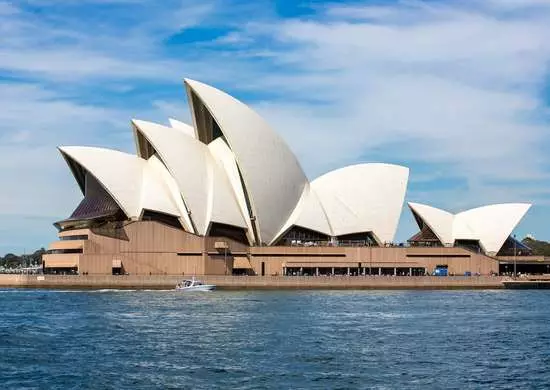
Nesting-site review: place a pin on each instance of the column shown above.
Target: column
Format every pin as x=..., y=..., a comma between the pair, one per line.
x=410, y=271
x=394, y=271
x=317, y=271
x=379, y=271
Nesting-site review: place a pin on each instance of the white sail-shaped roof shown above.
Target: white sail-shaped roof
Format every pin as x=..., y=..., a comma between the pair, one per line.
x=157, y=180
x=363, y=198
x=309, y=214
x=439, y=221
x=225, y=159
x=119, y=173
x=312, y=214
x=131, y=181
x=273, y=179
x=205, y=189
x=184, y=127
x=231, y=168
x=490, y=225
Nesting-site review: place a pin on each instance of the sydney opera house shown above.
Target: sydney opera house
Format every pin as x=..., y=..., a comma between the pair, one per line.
x=226, y=196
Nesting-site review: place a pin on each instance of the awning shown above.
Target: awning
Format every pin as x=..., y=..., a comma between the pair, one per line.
x=291, y=264
x=75, y=232
x=66, y=244
x=241, y=263
x=61, y=263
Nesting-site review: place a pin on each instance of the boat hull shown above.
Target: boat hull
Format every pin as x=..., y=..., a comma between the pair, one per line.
x=204, y=287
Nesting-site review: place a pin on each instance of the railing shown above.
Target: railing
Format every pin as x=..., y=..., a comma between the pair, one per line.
x=344, y=243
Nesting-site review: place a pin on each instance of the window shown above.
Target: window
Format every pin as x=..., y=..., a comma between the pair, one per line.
x=75, y=237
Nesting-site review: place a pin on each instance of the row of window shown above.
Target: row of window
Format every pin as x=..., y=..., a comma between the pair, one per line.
x=73, y=238
x=63, y=251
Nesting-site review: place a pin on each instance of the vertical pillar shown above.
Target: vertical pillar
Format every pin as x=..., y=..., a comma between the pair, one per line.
x=394, y=271
x=332, y=270
x=379, y=271
x=348, y=271
x=410, y=271
x=317, y=271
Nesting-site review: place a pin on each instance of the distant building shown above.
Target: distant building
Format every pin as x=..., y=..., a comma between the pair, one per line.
x=227, y=196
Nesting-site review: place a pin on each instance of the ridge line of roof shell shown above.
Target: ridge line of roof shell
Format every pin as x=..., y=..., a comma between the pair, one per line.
x=264, y=159
x=122, y=175
x=365, y=197
x=184, y=127
x=491, y=224
x=201, y=182
x=438, y=220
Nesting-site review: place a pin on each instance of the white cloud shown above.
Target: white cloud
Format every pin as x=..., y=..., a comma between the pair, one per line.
x=463, y=88
x=518, y=4
x=34, y=122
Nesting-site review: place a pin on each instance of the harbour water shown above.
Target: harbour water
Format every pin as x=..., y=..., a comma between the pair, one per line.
x=275, y=339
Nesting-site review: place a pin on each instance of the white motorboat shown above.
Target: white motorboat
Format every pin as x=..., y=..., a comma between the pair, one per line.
x=194, y=285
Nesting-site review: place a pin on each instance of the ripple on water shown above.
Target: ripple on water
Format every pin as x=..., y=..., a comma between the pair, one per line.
x=273, y=340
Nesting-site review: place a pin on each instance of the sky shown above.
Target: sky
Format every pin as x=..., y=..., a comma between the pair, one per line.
x=458, y=91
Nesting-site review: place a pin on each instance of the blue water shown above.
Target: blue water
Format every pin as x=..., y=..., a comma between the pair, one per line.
x=275, y=340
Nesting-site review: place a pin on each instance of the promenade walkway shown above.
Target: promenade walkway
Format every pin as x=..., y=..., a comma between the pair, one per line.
x=255, y=282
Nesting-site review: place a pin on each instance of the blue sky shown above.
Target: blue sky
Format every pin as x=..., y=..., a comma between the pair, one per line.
x=456, y=90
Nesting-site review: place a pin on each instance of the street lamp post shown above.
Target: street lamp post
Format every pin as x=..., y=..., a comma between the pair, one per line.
x=370, y=258
x=225, y=259
x=515, y=273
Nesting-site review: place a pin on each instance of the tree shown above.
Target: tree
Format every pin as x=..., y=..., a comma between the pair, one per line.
x=540, y=248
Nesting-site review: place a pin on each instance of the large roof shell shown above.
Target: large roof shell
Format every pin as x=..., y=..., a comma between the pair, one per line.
x=439, y=221
x=226, y=160
x=131, y=181
x=231, y=168
x=203, y=185
x=490, y=225
x=363, y=198
x=184, y=127
x=309, y=213
x=157, y=180
x=272, y=176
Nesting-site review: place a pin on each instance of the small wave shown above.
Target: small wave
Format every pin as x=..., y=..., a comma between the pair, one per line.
x=111, y=290
x=37, y=291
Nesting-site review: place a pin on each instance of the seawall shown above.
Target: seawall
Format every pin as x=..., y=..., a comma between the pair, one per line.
x=254, y=282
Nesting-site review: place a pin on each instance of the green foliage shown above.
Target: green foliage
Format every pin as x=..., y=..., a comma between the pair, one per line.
x=540, y=248
x=11, y=260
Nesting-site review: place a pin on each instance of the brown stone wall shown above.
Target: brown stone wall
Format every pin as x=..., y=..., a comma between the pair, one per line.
x=458, y=260
x=218, y=264
x=96, y=264
x=148, y=237
x=153, y=248
x=143, y=264
x=233, y=246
